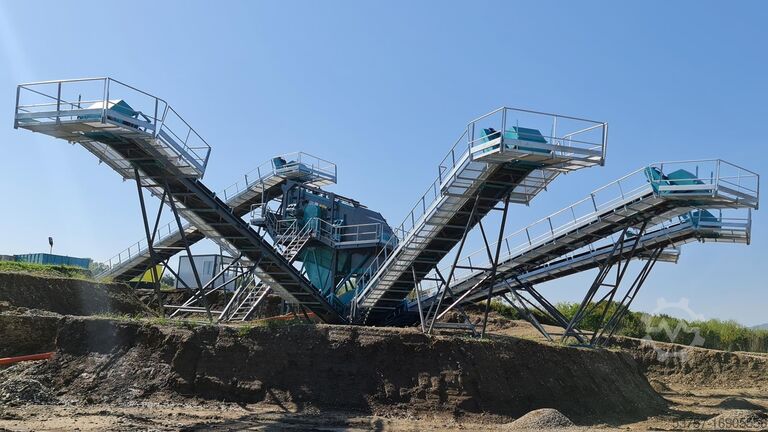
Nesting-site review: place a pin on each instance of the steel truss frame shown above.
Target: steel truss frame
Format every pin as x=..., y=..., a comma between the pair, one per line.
x=152, y=233
x=244, y=274
x=429, y=320
x=609, y=319
x=527, y=300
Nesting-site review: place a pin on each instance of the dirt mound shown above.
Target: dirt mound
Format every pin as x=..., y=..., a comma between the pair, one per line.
x=17, y=391
x=739, y=419
x=69, y=296
x=739, y=403
x=373, y=370
x=541, y=419
x=697, y=367
x=25, y=332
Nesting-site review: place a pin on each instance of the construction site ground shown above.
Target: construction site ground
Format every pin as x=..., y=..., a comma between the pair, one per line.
x=117, y=367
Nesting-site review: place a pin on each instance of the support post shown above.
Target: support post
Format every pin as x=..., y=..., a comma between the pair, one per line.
x=495, y=265
x=175, y=211
x=150, y=240
x=453, y=267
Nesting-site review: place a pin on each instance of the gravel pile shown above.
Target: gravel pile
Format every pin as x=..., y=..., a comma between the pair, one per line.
x=545, y=418
x=739, y=404
x=19, y=391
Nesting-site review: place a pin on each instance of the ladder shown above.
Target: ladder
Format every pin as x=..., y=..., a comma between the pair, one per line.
x=253, y=294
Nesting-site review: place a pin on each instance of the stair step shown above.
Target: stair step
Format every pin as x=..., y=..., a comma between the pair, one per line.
x=454, y=326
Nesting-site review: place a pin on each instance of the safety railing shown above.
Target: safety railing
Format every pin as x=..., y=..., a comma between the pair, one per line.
x=106, y=100
x=547, y=134
x=317, y=167
x=698, y=222
x=139, y=249
x=285, y=230
x=567, y=136
x=343, y=235
x=713, y=177
x=289, y=164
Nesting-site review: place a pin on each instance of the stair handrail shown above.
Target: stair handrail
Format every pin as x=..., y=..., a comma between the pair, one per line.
x=457, y=155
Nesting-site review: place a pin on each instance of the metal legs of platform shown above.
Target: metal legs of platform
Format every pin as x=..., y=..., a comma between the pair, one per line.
x=152, y=233
x=605, y=299
x=610, y=307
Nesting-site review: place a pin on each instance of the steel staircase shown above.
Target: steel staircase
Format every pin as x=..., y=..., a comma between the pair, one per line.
x=251, y=295
x=262, y=184
x=482, y=168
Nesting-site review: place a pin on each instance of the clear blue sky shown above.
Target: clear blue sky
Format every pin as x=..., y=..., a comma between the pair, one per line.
x=383, y=89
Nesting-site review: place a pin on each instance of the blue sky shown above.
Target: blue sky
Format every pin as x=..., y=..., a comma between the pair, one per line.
x=383, y=89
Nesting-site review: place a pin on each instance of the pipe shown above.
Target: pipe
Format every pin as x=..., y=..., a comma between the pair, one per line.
x=12, y=360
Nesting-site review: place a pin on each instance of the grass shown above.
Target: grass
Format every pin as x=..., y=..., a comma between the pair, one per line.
x=45, y=270
x=715, y=334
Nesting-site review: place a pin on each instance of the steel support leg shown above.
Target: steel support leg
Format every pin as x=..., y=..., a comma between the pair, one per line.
x=495, y=264
x=605, y=333
x=180, y=226
x=150, y=240
x=614, y=259
x=455, y=261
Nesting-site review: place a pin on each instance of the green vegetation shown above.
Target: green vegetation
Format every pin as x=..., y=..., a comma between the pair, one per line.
x=243, y=331
x=45, y=270
x=714, y=334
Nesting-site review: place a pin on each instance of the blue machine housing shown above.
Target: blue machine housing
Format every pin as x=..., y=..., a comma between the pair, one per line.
x=344, y=237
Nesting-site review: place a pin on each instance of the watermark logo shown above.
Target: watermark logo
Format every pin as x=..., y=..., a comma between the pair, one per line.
x=676, y=331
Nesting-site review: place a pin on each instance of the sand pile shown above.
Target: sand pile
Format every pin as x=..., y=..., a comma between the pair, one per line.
x=540, y=419
x=739, y=403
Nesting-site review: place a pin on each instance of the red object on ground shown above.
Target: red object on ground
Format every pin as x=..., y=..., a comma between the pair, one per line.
x=11, y=360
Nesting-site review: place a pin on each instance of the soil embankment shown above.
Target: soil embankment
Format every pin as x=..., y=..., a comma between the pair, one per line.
x=369, y=370
x=68, y=296
x=698, y=367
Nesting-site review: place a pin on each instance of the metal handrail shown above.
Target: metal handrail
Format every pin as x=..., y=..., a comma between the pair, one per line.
x=552, y=230
x=194, y=153
x=723, y=222
x=318, y=165
x=448, y=166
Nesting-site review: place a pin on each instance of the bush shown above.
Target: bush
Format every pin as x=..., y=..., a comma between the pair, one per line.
x=716, y=334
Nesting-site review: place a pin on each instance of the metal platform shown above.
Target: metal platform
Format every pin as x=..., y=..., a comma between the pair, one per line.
x=145, y=147
x=632, y=201
x=260, y=185
x=483, y=168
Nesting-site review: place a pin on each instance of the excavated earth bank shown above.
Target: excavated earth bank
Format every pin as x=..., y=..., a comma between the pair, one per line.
x=370, y=370
x=697, y=367
x=68, y=296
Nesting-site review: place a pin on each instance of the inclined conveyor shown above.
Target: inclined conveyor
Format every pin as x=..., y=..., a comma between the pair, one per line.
x=259, y=186
x=646, y=196
x=490, y=161
x=142, y=138
x=668, y=236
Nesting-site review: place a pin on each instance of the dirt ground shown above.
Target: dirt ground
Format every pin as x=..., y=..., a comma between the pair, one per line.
x=688, y=411
x=133, y=374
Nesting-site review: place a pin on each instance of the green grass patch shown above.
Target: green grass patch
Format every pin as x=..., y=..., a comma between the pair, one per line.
x=45, y=270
